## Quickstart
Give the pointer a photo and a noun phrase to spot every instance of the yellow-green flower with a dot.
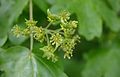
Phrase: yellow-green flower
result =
(16, 30)
(26, 31)
(39, 33)
(49, 52)
(56, 39)
(72, 24)
(64, 16)
(52, 17)
(68, 46)
(30, 23)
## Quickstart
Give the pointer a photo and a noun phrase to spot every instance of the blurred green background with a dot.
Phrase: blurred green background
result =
(98, 53)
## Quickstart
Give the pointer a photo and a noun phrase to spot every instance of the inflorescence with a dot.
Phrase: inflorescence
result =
(63, 38)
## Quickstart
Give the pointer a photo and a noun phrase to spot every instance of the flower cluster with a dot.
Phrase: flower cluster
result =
(68, 45)
(64, 38)
(39, 34)
(16, 30)
(49, 52)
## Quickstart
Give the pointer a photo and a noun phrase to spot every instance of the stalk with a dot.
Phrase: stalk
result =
(31, 18)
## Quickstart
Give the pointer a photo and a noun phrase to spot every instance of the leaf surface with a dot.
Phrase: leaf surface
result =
(3, 40)
(106, 63)
(10, 10)
(18, 62)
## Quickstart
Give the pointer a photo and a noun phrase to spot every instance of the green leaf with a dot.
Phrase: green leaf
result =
(18, 62)
(3, 40)
(9, 12)
(106, 63)
(108, 15)
(115, 4)
(51, 1)
(75, 66)
(90, 23)
(16, 40)
(42, 4)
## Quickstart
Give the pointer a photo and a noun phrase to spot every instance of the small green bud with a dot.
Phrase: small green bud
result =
(68, 55)
(76, 38)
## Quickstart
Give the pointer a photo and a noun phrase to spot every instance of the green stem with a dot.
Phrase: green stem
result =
(55, 31)
(30, 10)
(31, 18)
(31, 40)
(47, 38)
(48, 25)
(56, 48)
(58, 30)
